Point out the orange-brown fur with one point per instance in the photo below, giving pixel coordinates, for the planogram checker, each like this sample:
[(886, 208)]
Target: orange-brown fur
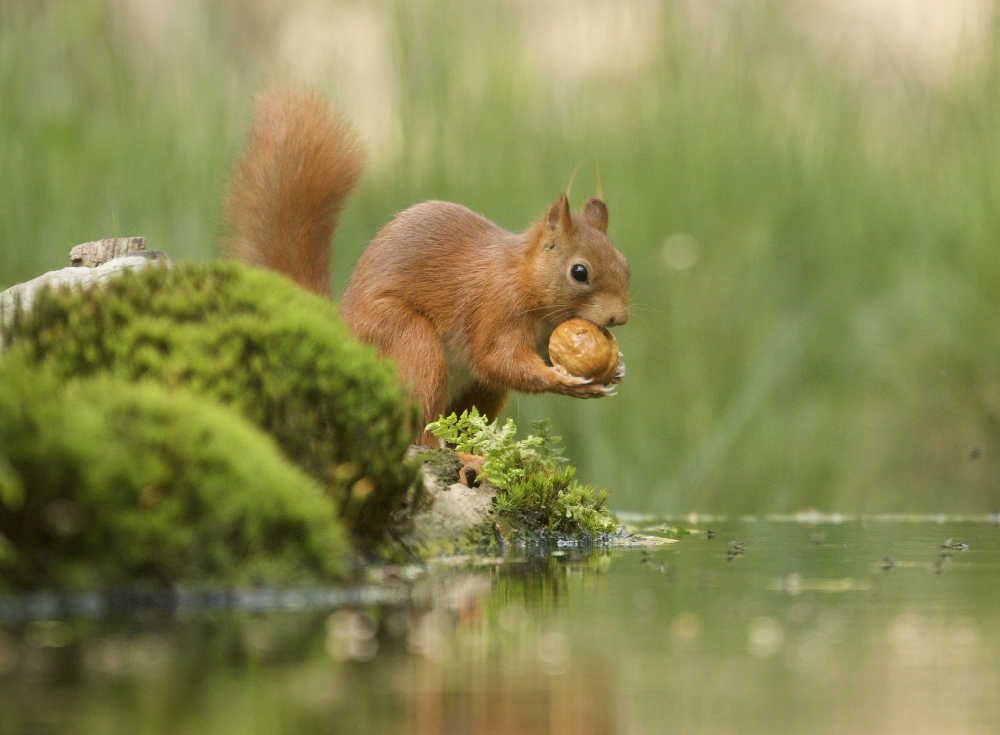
[(286, 193), (463, 306)]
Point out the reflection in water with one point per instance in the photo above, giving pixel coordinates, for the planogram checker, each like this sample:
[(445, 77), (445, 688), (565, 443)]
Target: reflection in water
[(551, 697), (789, 635), (504, 662)]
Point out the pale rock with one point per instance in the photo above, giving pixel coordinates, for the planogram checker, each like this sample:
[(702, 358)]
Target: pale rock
[(22, 296)]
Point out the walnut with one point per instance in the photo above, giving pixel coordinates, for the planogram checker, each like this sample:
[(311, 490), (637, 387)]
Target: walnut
[(584, 349)]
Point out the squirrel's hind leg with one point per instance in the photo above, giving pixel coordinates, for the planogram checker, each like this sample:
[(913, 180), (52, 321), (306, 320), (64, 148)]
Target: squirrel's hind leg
[(413, 343), (488, 399)]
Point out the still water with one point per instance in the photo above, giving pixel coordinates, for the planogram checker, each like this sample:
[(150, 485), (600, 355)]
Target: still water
[(797, 625)]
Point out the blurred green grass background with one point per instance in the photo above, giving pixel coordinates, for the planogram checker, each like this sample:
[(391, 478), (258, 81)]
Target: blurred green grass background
[(806, 192)]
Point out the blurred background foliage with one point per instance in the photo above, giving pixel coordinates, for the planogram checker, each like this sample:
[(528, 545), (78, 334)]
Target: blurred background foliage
[(806, 192)]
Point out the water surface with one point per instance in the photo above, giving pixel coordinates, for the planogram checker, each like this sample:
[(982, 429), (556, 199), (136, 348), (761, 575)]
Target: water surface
[(743, 626)]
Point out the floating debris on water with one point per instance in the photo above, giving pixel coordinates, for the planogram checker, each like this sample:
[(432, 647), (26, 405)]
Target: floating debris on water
[(735, 549), (953, 546)]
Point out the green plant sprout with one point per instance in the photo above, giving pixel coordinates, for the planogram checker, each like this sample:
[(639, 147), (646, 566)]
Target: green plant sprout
[(535, 485)]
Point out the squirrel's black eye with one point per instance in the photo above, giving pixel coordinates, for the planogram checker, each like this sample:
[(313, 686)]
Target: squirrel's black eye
[(579, 273)]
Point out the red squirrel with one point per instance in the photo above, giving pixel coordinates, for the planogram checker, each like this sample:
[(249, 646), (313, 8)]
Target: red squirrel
[(464, 307)]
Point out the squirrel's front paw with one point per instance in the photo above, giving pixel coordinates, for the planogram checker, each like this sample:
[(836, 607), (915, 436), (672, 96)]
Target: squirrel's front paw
[(619, 372), (577, 387)]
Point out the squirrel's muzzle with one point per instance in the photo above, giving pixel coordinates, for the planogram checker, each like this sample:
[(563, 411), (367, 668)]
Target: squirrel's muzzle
[(617, 318)]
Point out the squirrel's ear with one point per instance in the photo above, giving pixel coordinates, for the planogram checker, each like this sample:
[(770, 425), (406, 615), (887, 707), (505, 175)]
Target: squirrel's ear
[(559, 216), (596, 213)]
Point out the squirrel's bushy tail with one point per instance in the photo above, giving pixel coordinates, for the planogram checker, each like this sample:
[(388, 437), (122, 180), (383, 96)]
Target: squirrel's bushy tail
[(285, 195)]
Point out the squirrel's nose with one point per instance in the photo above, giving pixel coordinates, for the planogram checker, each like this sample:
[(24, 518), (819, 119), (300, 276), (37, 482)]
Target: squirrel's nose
[(616, 320)]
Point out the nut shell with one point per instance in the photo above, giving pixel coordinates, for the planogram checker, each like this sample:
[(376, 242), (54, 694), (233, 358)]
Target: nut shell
[(584, 349)]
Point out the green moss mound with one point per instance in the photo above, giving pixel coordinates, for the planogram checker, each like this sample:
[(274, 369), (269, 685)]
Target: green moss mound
[(106, 482), (255, 341)]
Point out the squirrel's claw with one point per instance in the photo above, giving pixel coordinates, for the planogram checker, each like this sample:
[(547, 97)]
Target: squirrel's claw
[(619, 373), (569, 379)]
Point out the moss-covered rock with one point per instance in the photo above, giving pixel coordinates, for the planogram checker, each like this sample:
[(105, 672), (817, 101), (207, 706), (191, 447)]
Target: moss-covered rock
[(537, 496), (252, 340), (106, 482)]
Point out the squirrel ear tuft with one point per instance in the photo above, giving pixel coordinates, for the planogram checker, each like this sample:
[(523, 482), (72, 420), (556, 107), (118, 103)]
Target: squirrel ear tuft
[(596, 214), (559, 216)]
